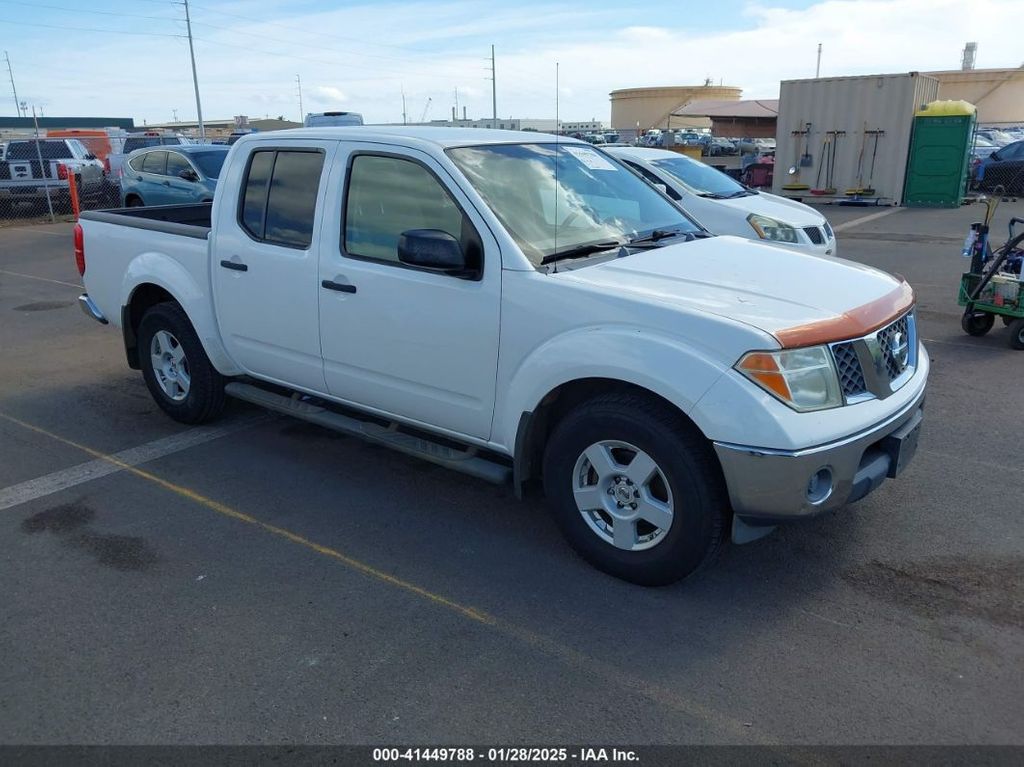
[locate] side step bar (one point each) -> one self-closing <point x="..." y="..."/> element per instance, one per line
<point x="467" y="461"/>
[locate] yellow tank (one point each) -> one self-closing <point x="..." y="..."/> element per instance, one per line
<point x="946" y="109"/>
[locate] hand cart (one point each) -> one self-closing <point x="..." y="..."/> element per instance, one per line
<point x="995" y="284"/>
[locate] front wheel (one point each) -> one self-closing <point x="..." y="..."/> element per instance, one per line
<point x="977" y="323"/>
<point x="636" y="489"/>
<point x="1017" y="334"/>
<point x="178" y="374"/>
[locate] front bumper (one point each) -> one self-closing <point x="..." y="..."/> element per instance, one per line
<point x="768" y="486"/>
<point x="90" y="309"/>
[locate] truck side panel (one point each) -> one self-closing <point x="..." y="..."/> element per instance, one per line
<point x="131" y="257"/>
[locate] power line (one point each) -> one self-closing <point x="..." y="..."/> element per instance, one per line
<point x="303" y="31"/>
<point x="306" y="45"/>
<point x="91" y="29"/>
<point x="88" y="11"/>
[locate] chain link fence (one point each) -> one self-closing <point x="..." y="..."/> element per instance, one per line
<point x="997" y="160"/>
<point x="51" y="178"/>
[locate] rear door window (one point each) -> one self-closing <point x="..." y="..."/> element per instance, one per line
<point x="154" y="162"/>
<point x="176" y="164"/>
<point x="280" y="193"/>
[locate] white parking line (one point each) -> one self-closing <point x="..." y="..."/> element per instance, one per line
<point x="42" y="279"/>
<point x="23" y="492"/>
<point x="864" y="219"/>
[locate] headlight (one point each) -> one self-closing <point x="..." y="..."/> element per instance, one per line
<point x="805" y="379"/>
<point x="770" y="229"/>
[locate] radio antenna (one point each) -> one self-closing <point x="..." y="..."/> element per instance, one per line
<point x="557" y="137"/>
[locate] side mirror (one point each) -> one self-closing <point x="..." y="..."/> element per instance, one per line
<point x="188" y="175"/>
<point x="431" y="249"/>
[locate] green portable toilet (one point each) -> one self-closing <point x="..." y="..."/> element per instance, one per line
<point x="940" y="147"/>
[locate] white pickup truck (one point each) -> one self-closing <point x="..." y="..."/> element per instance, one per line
<point x="524" y="309"/>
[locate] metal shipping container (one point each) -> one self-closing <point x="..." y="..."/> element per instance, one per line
<point x="852" y="105"/>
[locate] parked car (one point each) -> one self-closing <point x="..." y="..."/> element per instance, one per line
<point x="1003" y="167"/>
<point x="24" y="180"/>
<point x="717" y="147"/>
<point x="415" y="288"/>
<point x="725" y="206"/>
<point x="172" y="175"/>
<point x="133" y="141"/>
<point x="332" y="119"/>
<point x="997" y="137"/>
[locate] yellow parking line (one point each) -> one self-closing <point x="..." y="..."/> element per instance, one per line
<point x="567" y="654"/>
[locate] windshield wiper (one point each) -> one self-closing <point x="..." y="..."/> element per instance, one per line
<point x="656" y="236"/>
<point x="582" y="251"/>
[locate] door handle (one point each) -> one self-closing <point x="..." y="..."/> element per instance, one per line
<point x="166" y="183"/>
<point x="341" y="287"/>
<point x="237" y="266"/>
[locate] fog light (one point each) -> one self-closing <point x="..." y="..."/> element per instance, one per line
<point x="819" y="487"/>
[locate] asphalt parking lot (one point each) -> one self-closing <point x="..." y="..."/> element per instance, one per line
<point x="265" y="581"/>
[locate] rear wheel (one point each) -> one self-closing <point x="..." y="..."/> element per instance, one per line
<point x="178" y="374"/>
<point x="1017" y="334"/>
<point x="977" y="323"/>
<point x="635" y="489"/>
<point x="133" y="201"/>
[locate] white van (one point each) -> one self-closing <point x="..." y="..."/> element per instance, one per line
<point x="725" y="206"/>
<point x="332" y="119"/>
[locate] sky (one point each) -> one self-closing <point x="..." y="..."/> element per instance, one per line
<point x="130" y="58"/>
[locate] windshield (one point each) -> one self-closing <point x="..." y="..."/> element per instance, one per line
<point x="209" y="163"/>
<point x="554" y="198"/>
<point x="701" y="178"/>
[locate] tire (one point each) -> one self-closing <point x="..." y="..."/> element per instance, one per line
<point x="977" y="323"/>
<point x="686" y="480"/>
<point x="133" y="201"/>
<point x="188" y="388"/>
<point x="1017" y="334"/>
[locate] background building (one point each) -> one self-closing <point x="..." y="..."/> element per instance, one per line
<point x="223" y="128"/>
<point x="741" y="119"/>
<point x="997" y="93"/>
<point x="640" y="109"/>
<point x="20" y="126"/>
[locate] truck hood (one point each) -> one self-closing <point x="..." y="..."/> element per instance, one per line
<point x="799" y="299"/>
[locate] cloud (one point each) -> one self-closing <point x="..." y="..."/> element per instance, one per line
<point x="366" y="55"/>
<point x="328" y="93"/>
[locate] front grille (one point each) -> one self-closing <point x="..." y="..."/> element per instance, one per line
<point x="894" y="342"/>
<point x="814" y="233"/>
<point x="851" y="376"/>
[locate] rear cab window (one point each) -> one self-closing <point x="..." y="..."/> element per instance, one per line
<point x="279" y="195"/>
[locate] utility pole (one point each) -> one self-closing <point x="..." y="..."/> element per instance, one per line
<point x="494" y="89"/>
<point x="42" y="168"/>
<point x="817" y="69"/>
<point x="302" y="113"/>
<point x="455" y="114"/>
<point x="17" y="104"/>
<point x="195" y="77"/>
<point x="404" y="120"/>
<point x="175" y="113"/>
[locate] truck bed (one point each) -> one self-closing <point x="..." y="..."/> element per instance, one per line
<point x="183" y="220"/>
